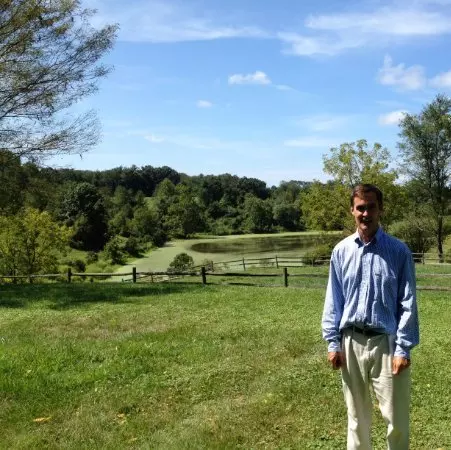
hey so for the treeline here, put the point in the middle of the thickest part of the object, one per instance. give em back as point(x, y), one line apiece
point(149, 204)
point(126, 210)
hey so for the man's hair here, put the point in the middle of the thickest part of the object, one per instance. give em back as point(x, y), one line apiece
point(361, 189)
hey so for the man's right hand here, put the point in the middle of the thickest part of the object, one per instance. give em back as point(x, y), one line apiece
point(337, 359)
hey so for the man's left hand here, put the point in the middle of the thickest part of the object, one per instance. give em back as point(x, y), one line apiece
point(399, 364)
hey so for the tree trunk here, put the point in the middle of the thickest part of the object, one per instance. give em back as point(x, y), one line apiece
point(440, 238)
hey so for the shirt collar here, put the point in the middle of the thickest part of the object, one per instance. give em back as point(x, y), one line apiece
point(377, 237)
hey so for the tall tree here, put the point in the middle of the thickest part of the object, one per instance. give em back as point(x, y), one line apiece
point(354, 163)
point(326, 207)
point(426, 148)
point(30, 243)
point(49, 60)
point(258, 214)
point(82, 208)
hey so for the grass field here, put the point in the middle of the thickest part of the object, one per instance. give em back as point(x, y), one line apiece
point(172, 366)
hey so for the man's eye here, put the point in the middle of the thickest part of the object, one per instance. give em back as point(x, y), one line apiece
point(363, 208)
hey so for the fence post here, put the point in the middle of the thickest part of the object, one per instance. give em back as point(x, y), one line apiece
point(69, 274)
point(277, 262)
point(244, 265)
point(204, 275)
point(285, 276)
point(134, 274)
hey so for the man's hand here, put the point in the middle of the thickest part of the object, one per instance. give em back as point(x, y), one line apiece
point(337, 359)
point(399, 364)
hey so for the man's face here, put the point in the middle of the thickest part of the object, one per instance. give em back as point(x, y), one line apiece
point(367, 213)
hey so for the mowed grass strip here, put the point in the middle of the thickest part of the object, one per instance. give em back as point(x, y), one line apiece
point(174, 366)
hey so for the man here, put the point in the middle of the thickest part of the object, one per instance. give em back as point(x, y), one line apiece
point(370, 322)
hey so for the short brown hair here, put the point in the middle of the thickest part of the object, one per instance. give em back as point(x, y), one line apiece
point(361, 189)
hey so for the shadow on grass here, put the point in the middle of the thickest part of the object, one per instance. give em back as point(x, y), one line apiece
point(63, 296)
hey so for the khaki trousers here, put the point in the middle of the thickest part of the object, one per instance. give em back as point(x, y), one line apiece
point(369, 362)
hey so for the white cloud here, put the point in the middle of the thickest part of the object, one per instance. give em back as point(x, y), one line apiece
point(405, 78)
point(442, 80)
point(322, 122)
point(253, 78)
point(154, 139)
point(284, 87)
point(388, 21)
point(308, 46)
point(309, 142)
point(158, 21)
point(204, 104)
point(332, 34)
point(391, 118)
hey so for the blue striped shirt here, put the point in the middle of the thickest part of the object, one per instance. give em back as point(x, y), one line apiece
point(372, 285)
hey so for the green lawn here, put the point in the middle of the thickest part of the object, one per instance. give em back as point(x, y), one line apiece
point(173, 366)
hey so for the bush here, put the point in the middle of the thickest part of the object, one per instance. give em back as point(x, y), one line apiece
point(113, 251)
point(417, 231)
point(159, 238)
point(92, 257)
point(208, 264)
point(318, 256)
point(182, 262)
point(78, 264)
point(132, 246)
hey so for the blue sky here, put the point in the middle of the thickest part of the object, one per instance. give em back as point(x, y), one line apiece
point(262, 88)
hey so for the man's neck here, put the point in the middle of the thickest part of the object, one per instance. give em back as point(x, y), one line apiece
point(366, 238)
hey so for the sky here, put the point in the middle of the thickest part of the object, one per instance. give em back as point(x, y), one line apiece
point(262, 88)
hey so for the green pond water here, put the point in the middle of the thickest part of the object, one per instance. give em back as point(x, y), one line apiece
point(257, 245)
point(222, 249)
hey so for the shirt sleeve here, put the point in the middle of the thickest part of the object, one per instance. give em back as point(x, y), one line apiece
point(333, 307)
point(407, 334)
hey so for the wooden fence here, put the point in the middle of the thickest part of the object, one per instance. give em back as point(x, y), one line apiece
point(212, 269)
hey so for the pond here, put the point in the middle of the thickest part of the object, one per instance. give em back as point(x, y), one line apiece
point(276, 244)
point(226, 248)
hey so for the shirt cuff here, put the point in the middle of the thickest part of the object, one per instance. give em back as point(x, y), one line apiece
point(334, 346)
point(402, 352)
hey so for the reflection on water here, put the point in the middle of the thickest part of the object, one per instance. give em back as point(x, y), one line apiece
point(276, 244)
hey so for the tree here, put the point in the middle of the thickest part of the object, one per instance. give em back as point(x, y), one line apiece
point(30, 243)
point(326, 207)
point(258, 214)
point(185, 215)
point(354, 163)
point(416, 229)
point(12, 183)
point(426, 148)
point(49, 60)
point(82, 207)
point(287, 215)
point(113, 251)
point(181, 263)
point(146, 226)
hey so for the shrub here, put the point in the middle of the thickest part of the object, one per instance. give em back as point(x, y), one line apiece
point(113, 251)
point(318, 256)
point(159, 238)
point(78, 264)
point(181, 263)
point(132, 246)
point(208, 264)
point(417, 231)
point(92, 257)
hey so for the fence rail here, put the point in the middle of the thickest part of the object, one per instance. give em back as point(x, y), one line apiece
point(221, 269)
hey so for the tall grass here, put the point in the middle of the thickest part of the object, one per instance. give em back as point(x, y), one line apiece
point(188, 366)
